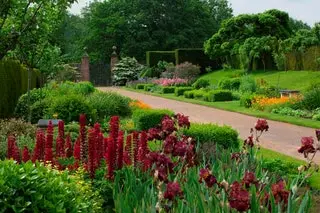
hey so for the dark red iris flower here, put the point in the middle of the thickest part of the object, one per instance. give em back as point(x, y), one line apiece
point(279, 192)
point(169, 143)
point(318, 134)
point(306, 146)
point(207, 177)
point(154, 133)
point(249, 141)
point(236, 156)
point(249, 178)
point(173, 190)
point(239, 198)
point(262, 125)
point(183, 121)
point(167, 125)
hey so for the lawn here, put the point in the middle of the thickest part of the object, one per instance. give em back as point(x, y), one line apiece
point(295, 80)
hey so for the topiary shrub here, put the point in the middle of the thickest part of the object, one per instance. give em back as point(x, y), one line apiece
point(224, 136)
point(168, 90)
point(219, 95)
point(68, 108)
point(145, 119)
point(128, 69)
point(180, 90)
point(229, 84)
point(107, 104)
point(35, 188)
point(140, 86)
point(246, 100)
point(201, 83)
point(199, 94)
point(189, 94)
point(39, 109)
point(311, 99)
point(187, 71)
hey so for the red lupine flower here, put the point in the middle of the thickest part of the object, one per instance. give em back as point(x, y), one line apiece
point(173, 190)
point(249, 141)
point(68, 147)
point(135, 137)
point(59, 147)
point(262, 125)
point(100, 147)
point(127, 155)
point(167, 125)
point(120, 150)
point(280, 193)
point(183, 121)
point(249, 178)
point(77, 149)
point(169, 143)
point(61, 137)
point(111, 160)
point(13, 150)
point(239, 198)
point(38, 153)
point(306, 146)
point(48, 155)
point(10, 144)
point(205, 175)
point(142, 150)
point(83, 138)
point(114, 127)
point(92, 162)
point(25, 154)
point(154, 133)
point(318, 134)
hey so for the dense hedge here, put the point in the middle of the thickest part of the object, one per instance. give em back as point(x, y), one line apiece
point(180, 90)
point(167, 90)
point(219, 95)
point(210, 133)
point(13, 83)
point(145, 119)
point(153, 57)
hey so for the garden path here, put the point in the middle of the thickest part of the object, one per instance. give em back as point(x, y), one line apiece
point(281, 137)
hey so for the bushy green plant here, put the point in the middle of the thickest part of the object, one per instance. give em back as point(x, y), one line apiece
point(109, 104)
point(199, 94)
point(280, 168)
point(140, 86)
point(68, 108)
point(224, 136)
point(39, 109)
point(147, 118)
point(292, 112)
point(311, 99)
point(168, 90)
point(229, 84)
point(236, 95)
point(187, 71)
point(180, 90)
point(127, 69)
point(268, 91)
point(247, 84)
point(17, 127)
point(189, 94)
point(201, 83)
point(21, 140)
point(219, 95)
point(246, 100)
point(68, 87)
point(148, 87)
point(35, 188)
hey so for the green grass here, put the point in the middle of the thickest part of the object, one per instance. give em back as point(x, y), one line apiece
point(294, 80)
point(234, 106)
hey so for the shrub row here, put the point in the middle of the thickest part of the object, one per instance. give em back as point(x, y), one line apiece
point(145, 119)
point(209, 95)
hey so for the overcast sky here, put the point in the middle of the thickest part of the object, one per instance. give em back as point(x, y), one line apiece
point(305, 10)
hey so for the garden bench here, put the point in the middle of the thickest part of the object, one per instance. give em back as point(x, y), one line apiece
point(289, 93)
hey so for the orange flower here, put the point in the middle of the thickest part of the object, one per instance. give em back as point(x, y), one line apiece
point(139, 104)
point(261, 102)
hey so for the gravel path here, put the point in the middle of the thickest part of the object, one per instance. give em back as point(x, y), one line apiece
point(282, 137)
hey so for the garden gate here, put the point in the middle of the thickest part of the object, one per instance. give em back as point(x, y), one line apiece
point(100, 74)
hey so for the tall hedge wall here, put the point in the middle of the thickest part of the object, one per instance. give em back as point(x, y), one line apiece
point(153, 57)
point(13, 83)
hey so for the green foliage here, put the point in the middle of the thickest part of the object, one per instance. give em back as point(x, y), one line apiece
point(201, 83)
point(107, 104)
point(128, 69)
point(187, 71)
point(311, 99)
point(27, 140)
point(268, 91)
point(68, 87)
point(153, 57)
point(219, 95)
point(16, 127)
point(145, 119)
point(140, 86)
point(179, 91)
point(246, 100)
point(168, 90)
point(148, 87)
point(292, 112)
point(229, 84)
point(189, 94)
point(39, 109)
point(248, 84)
point(13, 83)
point(213, 134)
point(281, 168)
point(68, 108)
point(30, 188)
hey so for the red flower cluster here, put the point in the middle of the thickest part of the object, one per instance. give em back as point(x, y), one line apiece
point(239, 197)
point(262, 125)
point(249, 141)
point(83, 138)
point(236, 156)
point(173, 190)
point(183, 121)
point(25, 155)
point(279, 192)
point(307, 146)
point(207, 177)
point(248, 179)
point(13, 150)
point(48, 154)
point(168, 125)
point(163, 165)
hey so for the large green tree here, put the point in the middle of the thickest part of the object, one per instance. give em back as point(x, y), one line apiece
point(136, 26)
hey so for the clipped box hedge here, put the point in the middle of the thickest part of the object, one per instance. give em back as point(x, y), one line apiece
point(153, 57)
point(167, 90)
point(145, 119)
point(219, 95)
point(224, 136)
point(180, 90)
point(189, 94)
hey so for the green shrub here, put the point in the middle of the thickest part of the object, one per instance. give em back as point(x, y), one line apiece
point(68, 108)
point(280, 168)
point(229, 84)
point(246, 100)
point(147, 118)
point(201, 83)
point(39, 109)
point(199, 94)
point(127, 69)
point(22, 109)
point(168, 90)
point(17, 127)
point(219, 95)
point(189, 94)
point(140, 86)
point(187, 71)
point(213, 134)
point(236, 95)
point(180, 90)
point(30, 188)
point(68, 87)
point(311, 99)
point(247, 85)
point(147, 87)
point(269, 91)
point(108, 104)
